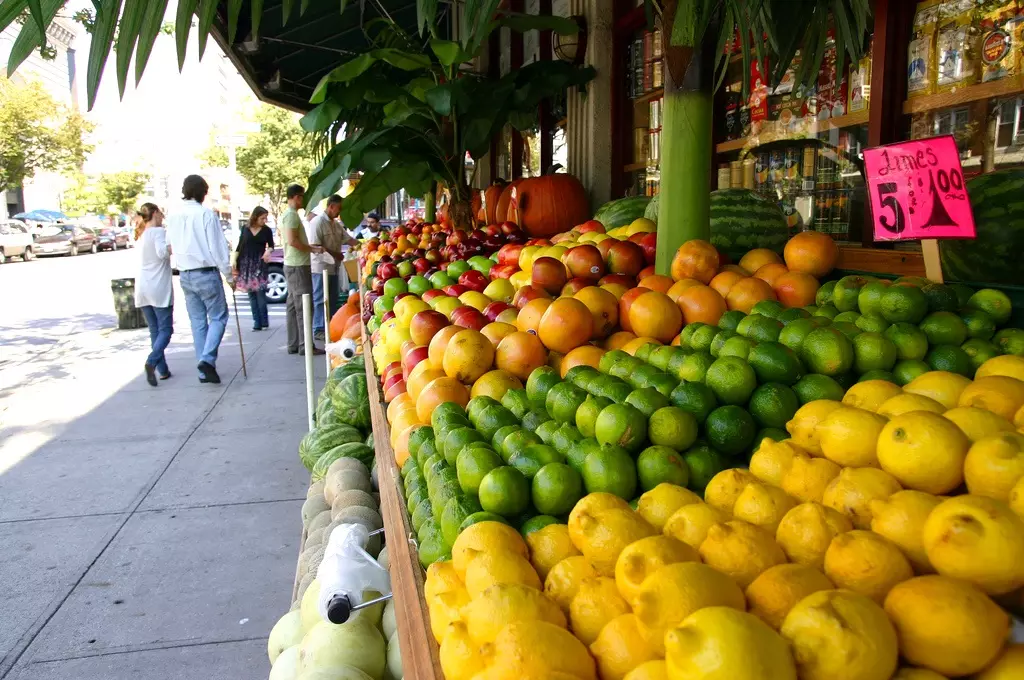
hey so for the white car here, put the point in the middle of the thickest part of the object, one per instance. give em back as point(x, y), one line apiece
point(15, 241)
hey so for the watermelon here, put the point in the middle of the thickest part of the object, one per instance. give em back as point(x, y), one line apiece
point(621, 212)
point(742, 220)
point(351, 402)
point(325, 412)
point(361, 452)
point(997, 200)
point(324, 438)
point(353, 367)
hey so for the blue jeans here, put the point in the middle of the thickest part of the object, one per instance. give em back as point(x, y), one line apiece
point(258, 305)
point(318, 302)
point(161, 326)
point(207, 311)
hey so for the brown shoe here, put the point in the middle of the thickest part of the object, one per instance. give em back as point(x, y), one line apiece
point(316, 351)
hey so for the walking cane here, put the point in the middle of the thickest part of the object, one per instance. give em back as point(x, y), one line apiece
point(238, 325)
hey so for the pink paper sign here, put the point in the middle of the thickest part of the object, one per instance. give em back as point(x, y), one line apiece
point(917, 190)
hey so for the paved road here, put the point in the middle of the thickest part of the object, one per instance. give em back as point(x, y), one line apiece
point(146, 532)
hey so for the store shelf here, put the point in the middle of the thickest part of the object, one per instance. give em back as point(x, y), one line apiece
point(653, 94)
point(963, 95)
point(879, 261)
point(633, 167)
point(839, 122)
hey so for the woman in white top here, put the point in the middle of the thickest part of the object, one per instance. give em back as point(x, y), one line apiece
point(153, 294)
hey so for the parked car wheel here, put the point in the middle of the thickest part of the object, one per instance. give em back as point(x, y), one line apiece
point(28, 255)
point(113, 246)
point(95, 248)
point(277, 285)
point(74, 250)
point(3, 258)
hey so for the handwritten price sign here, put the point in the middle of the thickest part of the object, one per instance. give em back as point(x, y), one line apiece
point(917, 191)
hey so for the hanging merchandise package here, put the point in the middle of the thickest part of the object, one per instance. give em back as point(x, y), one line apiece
point(860, 82)
point(921, 52)
point(1001, 25)
point(956, 45)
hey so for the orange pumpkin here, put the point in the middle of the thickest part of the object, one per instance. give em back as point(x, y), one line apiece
point(490, 197)
point(504, 199)
point(545, 206)
point(475, 203)
point(353, 328)
point(336, 329)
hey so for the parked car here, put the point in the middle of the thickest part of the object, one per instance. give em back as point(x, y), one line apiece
point(65, 239)
point(15, 241)
point(112, 238)
point(277, 284)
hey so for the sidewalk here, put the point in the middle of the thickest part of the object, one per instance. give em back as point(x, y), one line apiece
point(149, 532)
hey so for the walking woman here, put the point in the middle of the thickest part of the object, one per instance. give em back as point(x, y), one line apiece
point(254, 246)
point(153, 294)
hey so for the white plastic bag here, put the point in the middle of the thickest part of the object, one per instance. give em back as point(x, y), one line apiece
point(347, 570)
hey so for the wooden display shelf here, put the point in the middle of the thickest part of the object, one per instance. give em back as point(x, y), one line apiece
point(963, 95)
point(419, 649)
point(879, 261)
point(650, 96)
point(837, 123)
point(633, 167)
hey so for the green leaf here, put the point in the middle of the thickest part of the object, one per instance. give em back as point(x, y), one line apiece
point(533, 22)
point(349, 70)
point(127, 36)
point(207, 12)
point(286, 10)
point(36, 12)
point(321, 117)
point(234, 10)
point(418, 88)
point(440, 99)
point(448, 51)
point(426, 14)
point(151, 23)
point(30, 38)
point(9, 11)
point(407, 61)
point(99, 49)
point(182, 27)
point(257, 14)
point(479, 25)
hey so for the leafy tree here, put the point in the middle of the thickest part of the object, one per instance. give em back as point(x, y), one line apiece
point(97, 195)
point(37, 134)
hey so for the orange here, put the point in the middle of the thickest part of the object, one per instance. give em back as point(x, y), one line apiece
point(405, 419)
point(437, 392)
point(518, 353)
point(633, 345)
point(438, 344)
point(735, 268)
point(724, 281)
point(614, 341)
point(403, 400)
point(748, 292)
point(468, 356)
point(495, 384)
point(679, 286)
point(657, 282)
point(529, 316)
point(654, 315)
point(625, 302)
point(497, 330)
point(796, 289)
point(616, 289)
point(566, 325)
point(419, 376)
point(695, 259)
point(584, 355)
point(771, 272)
point(604, 308)
point(757, 258)
point(811, 252)
point(701, 304)
point(401, 445)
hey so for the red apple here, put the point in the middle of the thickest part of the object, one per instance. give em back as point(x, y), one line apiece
point(467, 317)
point(424, 325)
point(378, 285)
point(627, 281)
point(392, 379)
point(429, 295)
point(407, 347)
point(492, 310)
point(625, 257)
point(538, 242)
point(492, 230)
point(455, 290)
point(473, 280)
point(637, 237)
point(549, 274)
point(421, 264)
point(388, 315)
point(509, 253)
point(413, 357)
point(649, 244)
point(604, 246)
point(433, 256)
point(387, 271)
point(393, 366)
point(402, 295)
point(455, 238)
point(645, 272)
point(509, 228)
point(375, 337)
point(509, 316)
point(591, 225)
point(527, 293)
point(573, 286)
point(396, 389)
point(503, 271)
point(585, 262)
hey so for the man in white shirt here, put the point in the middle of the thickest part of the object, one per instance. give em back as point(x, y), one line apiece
point(201, 256)
point(325, 230)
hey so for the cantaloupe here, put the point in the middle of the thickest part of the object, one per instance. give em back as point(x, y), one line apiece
point(320, 521)
point(352, 497)
point(316, 488)
point(314, 538)
point(313, 506)
point(346, 480)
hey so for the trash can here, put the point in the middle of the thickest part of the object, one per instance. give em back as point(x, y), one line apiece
point(128, 315)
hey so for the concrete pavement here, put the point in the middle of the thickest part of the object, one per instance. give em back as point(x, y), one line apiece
point(147, 532)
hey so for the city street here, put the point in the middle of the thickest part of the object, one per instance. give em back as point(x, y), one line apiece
point(147, 532)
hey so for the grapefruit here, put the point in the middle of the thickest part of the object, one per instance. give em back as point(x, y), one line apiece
point(529, 316)
point(437, 392)
point(655, 315)
point(811, 252)
point(701, 304)
point(604, 308)
point(695, 259)
point(565, 325)
point(519, 354)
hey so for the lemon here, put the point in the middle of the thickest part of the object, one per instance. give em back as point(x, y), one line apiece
point(923, 451)
point(658, 504)
point(773, 459)
point(563, 581)
point(1016, 499)
point(1008, 666)
point(489, 612)
point(942, 386)
point(808, 478)
point(540, 650)
point(603, 535)
point(908, 673)
point(778, 590)
point(1018, 419)
point(485, 537)
point(853, 490)
point(651, 670)
point(488, 569)
point(620, 648)
point(994, 465)
point(719, 643)
point(596, 603)
point(644, 557)
point(848, 436)
point(870, 394)
point(997, 393)
point(725, 487)
point(763, 505)
point(445, 609)
point(906, 402)
point(549, 546)
point(946, 625)
point(803, 427)
point(841, 635)
point(866, 563)
point(977, 539)
point(901, 518)
point(595, 502)
point(977, 423)
point(441, 578)
point(1009, 365)
point(807, 530)
point(740, 550)
point(460, 656)
point(675, 591)
point(690, 523)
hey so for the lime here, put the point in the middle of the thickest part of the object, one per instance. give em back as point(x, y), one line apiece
point(703, 463)
point(827, 351)
point(688, 331)
point(564, 437)
point(493, 418)
point(499, 437)
point(877, 374)
point(621, 425)
point(769, 308)
point(586, 414)
point(793, 314)
point(873, 351)
point(536, 523)
point(963, 294)
point(730, 320)
point(417, 438)
point(504, 491)
point(608, 359)
point(420, 514)
point(556, 489)
point(660, 356)
point(907, 369)
point(478, 517)
point(695, 398)
point(773, 405)
point(695, 367)
point(610, 470)
point(624, 366)
point(647, 400)
point(871, 324)
point(950, 358)
point(941, 298)
point(517, 443)
point(731, 379)
point(979, 351)
point(546, 430)
point(659, 464)
point(581, 376)
point(642, 376)
point(515, 400)
point(737, 346)
point(458, 440)
point(446, 412)
point(673, 427)
point(979, 324)
point(846, 328)
point(663, 383)
point(903, 304)
point(562, 401)
point(760, 328)
point(847, 317)
point(579, 451)
point(542, 379)
point(910, 341)
point(701, 340)
point(827, 311)
point(533, 458)
point(414, 497)
point(869, 299)
point(611, 388)
point(775, 362)
point(1010, 341)
point(678, 358)
point(773, 433)
point(824, 294)
point(810, 309)
point(944, 328)
point(730, 429)
point(455, 512)
point(643, 352)
point(845, 294)
point(477, 404)
point(719, 342)
point(993, 302)
point(533, 419)
point(795, 332)
point(814, 387)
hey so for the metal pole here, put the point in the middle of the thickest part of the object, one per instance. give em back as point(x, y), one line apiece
point(307, 330)
point(327, 317)
point(238, 327)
